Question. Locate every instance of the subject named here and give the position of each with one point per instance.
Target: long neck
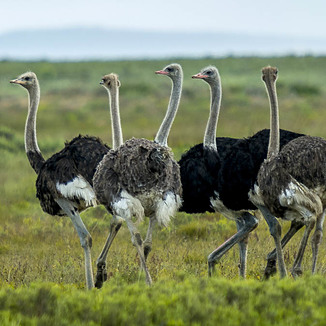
(210, 133)
(31, 147)
(117, 139)
(274, 136)
(164, 130)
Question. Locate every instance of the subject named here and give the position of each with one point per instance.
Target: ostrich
(64, 181)
(217, 174)
(291, 183)
(139, 178)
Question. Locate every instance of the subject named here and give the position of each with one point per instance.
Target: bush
(193, 301)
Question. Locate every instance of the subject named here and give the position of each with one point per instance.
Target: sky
(282, 17)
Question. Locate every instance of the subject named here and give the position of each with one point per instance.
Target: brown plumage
(139, 177)
(301, 162)
(291, 183)
(139, 167)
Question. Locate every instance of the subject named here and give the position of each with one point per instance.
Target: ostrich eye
(209, 72)
(169, 69)
(27, 78)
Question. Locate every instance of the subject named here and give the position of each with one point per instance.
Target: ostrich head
(208, 74)
(110, 81)
(173, 70)
(27, 80)
(269, 73)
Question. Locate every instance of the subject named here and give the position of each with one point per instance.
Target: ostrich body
(64, 181)
(218, 174)
(139, 178)
(291, 183)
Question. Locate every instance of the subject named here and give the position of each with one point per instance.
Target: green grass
(36, 248)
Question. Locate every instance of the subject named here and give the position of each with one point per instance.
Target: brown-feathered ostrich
(64, 181)
(291, 183)
(139, 178)
(218, 174)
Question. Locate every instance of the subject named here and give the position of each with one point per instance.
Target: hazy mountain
(94, 43)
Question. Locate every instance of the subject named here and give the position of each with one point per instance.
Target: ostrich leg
(270, 268)
(101, 274)
(148, 239)
(243, 248)
(296, 269)
(84, 236)
(276, 232)
(250, 223)
(316, 240)
(138, 243)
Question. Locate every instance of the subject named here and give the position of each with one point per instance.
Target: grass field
(42, 264)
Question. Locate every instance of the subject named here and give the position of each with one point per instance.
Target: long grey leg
(276, 232)
(138, 242)
(316, 240)
(250, 223)
(271, 257)
(243, 248)
(84, 236)
(296, 269)
(101, 274)
(148, 239)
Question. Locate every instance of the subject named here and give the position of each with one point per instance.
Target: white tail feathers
(164, 209)
(167, 208)
(128, 206)
(301, 199)
(78, 188)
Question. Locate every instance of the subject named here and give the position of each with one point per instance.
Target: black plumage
(231, 171)
(79, 157)
(199, 168)
(240, 166)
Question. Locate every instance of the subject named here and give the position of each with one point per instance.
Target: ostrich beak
(161, 72)
(101, 82)
(199, 76)
(15, 81)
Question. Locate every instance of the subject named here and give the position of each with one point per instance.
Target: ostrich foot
(270, 269)
(101, 275)
(297, 272)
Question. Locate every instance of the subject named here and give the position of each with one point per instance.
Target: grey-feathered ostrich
(291, 183)
(139, 178)
(219, 173)
(64, 182)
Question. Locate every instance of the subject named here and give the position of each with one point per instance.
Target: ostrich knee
(275, 229)
(86, 241)
(316, 239)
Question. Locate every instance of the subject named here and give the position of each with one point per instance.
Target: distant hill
(95, 43)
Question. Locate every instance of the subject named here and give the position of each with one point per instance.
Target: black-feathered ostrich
(64, 181)
(291, 183)
(139, 178)
(219, 173)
